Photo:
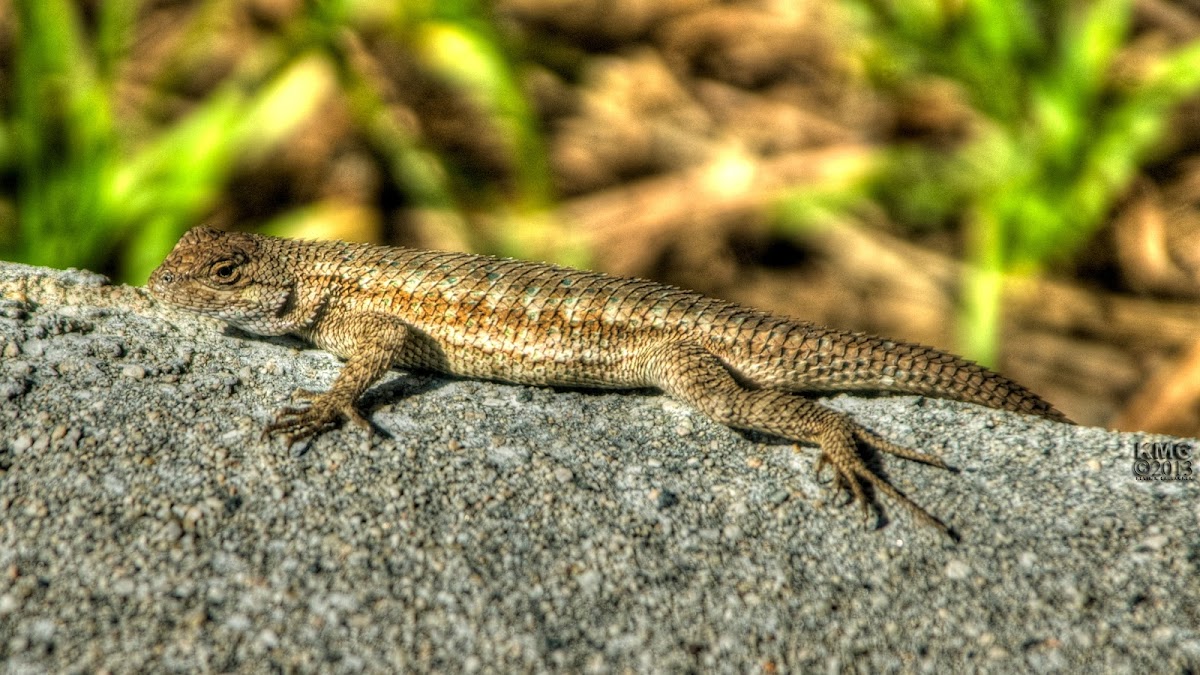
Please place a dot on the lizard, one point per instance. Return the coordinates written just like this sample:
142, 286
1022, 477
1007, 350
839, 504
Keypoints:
477, 316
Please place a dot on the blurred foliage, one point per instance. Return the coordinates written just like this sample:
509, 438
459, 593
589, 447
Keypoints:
1057, 140
88, 187
84, 185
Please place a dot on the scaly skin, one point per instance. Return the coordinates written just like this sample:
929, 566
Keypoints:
530, 323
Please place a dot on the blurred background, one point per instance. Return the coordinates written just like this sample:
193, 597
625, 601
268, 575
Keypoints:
1015, 180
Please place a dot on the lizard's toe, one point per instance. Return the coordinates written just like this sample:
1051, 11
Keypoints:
819, 465
880, 443
839, 449
839, 482
295, 423
352, 413
306, 395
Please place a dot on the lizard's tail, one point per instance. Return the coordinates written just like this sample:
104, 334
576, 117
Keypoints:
927, 371
823, 359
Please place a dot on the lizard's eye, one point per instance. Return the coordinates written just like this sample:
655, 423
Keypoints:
226, 271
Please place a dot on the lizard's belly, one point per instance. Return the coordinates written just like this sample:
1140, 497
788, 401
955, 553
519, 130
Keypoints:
541, 355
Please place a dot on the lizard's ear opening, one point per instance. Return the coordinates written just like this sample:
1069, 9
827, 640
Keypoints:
283, 300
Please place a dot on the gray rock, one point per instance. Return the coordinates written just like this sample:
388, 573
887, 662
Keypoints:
145, 526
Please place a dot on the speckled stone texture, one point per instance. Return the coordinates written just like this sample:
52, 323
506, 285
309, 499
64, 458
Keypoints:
145, 526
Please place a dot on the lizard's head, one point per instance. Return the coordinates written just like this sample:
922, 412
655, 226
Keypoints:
225, 275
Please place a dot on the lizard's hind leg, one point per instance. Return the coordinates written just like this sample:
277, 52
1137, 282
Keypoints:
690, 373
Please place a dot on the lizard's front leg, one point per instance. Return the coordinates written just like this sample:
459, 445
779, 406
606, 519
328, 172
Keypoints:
692, 374
371, 344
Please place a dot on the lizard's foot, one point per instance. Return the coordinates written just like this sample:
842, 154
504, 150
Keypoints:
321, 413
839, 449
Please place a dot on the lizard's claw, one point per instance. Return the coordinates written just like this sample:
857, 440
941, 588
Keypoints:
839, 481
839, 450
322, 413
